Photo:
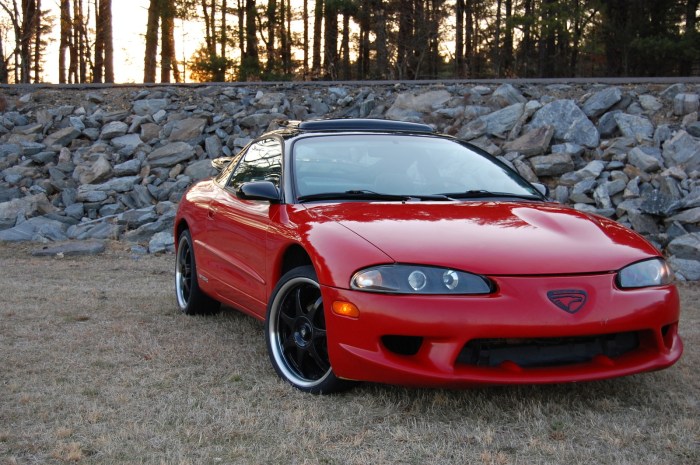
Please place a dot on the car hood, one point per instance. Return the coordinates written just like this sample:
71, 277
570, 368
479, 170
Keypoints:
496, 238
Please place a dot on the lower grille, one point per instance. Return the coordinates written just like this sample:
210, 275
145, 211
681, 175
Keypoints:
546, 351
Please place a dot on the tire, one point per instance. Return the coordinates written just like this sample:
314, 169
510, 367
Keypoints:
295, 333
190, 298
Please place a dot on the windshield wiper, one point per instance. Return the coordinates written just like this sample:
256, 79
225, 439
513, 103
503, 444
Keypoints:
482, 193
353, 195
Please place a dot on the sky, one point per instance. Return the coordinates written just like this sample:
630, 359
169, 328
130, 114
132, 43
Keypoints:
129, 18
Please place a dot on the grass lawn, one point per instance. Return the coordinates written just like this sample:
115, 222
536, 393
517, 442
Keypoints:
99, 367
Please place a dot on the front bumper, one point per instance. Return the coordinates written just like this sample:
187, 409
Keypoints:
515, 336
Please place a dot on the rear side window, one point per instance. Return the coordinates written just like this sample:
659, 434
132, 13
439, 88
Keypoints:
262, 162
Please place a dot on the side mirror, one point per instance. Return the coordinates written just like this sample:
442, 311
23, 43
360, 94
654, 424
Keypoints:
220, 163
542, 188
259, 190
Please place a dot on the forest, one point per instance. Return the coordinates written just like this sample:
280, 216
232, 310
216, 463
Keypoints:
297, 40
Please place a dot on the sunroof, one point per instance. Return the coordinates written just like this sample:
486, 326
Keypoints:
359, 124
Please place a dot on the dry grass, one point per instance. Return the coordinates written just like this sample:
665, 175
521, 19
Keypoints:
99, 367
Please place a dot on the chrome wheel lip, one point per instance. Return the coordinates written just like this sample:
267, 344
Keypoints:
180, 277
275, 338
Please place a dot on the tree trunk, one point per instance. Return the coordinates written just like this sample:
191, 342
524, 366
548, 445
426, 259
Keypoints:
459, 39
691, 9
224, 33
382, 71
251, 59
548, 40
208, 28
99, 44
345, 46
149, 62
497, 40
37, 43
526, 47
330, 42
318, 25
29, 17
507, 60
167, 41
285, 37
364, 12
271, 25
405, 38
106, 6
65, 44
241, 27
4, 74
305, 17
615, 29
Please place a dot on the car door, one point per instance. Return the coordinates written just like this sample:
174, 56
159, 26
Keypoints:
238, 229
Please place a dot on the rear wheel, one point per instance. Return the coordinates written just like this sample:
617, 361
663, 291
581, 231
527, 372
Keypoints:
190, 298
295, 332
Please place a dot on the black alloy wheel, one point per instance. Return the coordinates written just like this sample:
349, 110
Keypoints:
295, 332
190, 298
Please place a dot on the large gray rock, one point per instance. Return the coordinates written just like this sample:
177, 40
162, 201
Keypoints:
95, 230
128, 168
128, 141
62, 137
690, 216
145, 233
552, 165
642, 160
170, 155
35, 229
659, 204
635, 127
682, 149
499, 123
113, 129
93, 173
582, 192
213, 146
162, 242
200, 170
685, 103
601, 101
569, 122
642, 223
30, 205
592, 170
686, 247
71, 248
650, 103
506, 95
412, 103
187, 129
534, 142
122, 184
149, 106
688, 270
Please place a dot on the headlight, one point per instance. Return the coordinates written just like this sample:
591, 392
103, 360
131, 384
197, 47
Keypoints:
654, 272
418, 279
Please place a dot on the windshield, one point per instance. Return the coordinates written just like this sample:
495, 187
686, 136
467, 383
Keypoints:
401, 165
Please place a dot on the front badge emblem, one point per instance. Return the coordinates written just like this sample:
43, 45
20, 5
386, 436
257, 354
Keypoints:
569, 300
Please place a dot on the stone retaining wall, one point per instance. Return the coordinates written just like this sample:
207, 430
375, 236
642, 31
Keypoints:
112, 163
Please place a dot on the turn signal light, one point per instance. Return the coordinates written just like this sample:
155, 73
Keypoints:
346, 309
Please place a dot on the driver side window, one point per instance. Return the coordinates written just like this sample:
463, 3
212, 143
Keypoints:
262, 162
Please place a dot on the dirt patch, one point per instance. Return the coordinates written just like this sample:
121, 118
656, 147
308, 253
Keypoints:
99, 367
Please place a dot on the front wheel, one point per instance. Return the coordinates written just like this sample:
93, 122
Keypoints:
295, 332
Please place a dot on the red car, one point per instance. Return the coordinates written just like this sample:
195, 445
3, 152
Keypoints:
381, 251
